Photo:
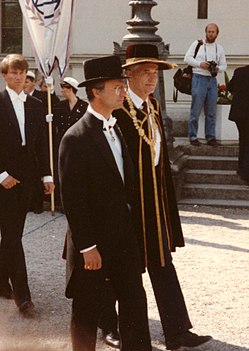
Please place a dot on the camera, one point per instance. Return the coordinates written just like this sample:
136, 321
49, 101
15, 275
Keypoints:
212, 68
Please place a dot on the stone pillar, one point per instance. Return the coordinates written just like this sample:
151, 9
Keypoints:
142, 30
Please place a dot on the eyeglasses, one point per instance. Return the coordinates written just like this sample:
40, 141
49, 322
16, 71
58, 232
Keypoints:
121, 88
117, 90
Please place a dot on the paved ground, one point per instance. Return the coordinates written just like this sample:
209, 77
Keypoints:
213, 270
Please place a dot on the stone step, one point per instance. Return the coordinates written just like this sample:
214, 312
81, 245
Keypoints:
215, 203
205, 150
215, 191
211, 176
212, 162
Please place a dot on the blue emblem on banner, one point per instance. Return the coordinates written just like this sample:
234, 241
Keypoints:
41, 5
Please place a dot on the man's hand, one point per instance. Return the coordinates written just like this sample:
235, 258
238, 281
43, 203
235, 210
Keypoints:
93, 260
204, 65
49, 188
9, 182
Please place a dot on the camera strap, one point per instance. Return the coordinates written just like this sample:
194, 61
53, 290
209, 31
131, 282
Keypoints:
216, 52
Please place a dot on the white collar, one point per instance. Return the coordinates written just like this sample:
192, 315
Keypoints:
107, 124
14, 96
138, 102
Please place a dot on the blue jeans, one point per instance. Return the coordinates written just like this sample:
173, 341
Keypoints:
204, 95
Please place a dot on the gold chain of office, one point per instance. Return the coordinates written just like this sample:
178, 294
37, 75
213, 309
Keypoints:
137, 123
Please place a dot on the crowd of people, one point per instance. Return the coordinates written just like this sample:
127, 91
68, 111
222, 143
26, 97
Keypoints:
114, 184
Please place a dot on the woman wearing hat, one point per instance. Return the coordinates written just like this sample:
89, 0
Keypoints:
66, 113
70, 110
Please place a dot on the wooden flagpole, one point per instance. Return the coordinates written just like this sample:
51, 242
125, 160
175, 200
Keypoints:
50, 133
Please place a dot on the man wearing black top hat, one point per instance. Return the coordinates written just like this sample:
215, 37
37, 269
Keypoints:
96, 177
154, 209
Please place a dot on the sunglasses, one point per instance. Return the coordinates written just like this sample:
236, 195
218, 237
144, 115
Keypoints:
63, 85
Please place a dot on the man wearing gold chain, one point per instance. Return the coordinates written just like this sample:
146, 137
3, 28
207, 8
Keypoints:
154, 209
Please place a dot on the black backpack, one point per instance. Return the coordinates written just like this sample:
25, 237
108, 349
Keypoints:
183, 77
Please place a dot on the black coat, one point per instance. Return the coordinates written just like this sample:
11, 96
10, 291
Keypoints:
167, 201
94, 196
64, 118
36, 161
239, 87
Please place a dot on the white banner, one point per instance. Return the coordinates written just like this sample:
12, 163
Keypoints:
49, 24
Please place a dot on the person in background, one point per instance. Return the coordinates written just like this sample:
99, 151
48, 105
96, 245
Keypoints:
66, 113
30, 86
69, 110
153, 207
209, 61
96, 177
239, 113
23, 156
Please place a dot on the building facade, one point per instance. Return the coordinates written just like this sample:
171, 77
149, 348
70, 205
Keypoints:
97, 24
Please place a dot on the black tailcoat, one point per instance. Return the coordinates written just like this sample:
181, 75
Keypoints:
239, 113
95, 201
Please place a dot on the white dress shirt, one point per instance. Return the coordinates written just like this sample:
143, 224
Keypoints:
18, 105
138, 102
115, 146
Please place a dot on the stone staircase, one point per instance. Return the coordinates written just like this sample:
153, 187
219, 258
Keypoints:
210, 177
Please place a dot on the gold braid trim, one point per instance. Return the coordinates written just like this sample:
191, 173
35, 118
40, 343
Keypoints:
151, 141
167, 224
141, 183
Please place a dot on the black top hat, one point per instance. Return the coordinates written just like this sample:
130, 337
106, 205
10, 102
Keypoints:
101, 69
145, 53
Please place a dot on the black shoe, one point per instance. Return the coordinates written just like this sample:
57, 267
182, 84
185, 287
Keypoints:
187, 339
7, 293
195, 142
26, 307
213, 142
112, 339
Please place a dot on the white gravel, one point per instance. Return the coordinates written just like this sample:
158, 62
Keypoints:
213, 270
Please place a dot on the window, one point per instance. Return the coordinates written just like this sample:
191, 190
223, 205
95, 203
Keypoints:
11, 27
202, 9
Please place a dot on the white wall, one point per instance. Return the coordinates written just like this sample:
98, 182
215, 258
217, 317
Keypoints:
98, 24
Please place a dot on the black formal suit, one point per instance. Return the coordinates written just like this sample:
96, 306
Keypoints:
95, 202
239, 113
168, 294
24, 163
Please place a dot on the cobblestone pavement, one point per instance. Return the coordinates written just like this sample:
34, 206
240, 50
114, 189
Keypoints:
213, 270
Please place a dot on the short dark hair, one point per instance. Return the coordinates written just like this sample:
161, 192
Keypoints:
68, 86
90, 87
15, 61
30, 78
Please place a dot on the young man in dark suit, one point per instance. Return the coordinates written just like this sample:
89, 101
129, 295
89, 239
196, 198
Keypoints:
239, 113
96, 177
154, 209
23, 156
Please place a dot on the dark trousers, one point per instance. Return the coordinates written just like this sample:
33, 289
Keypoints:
168, 294
243, 165
37, 195
127, 284
13, 209
169, 298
